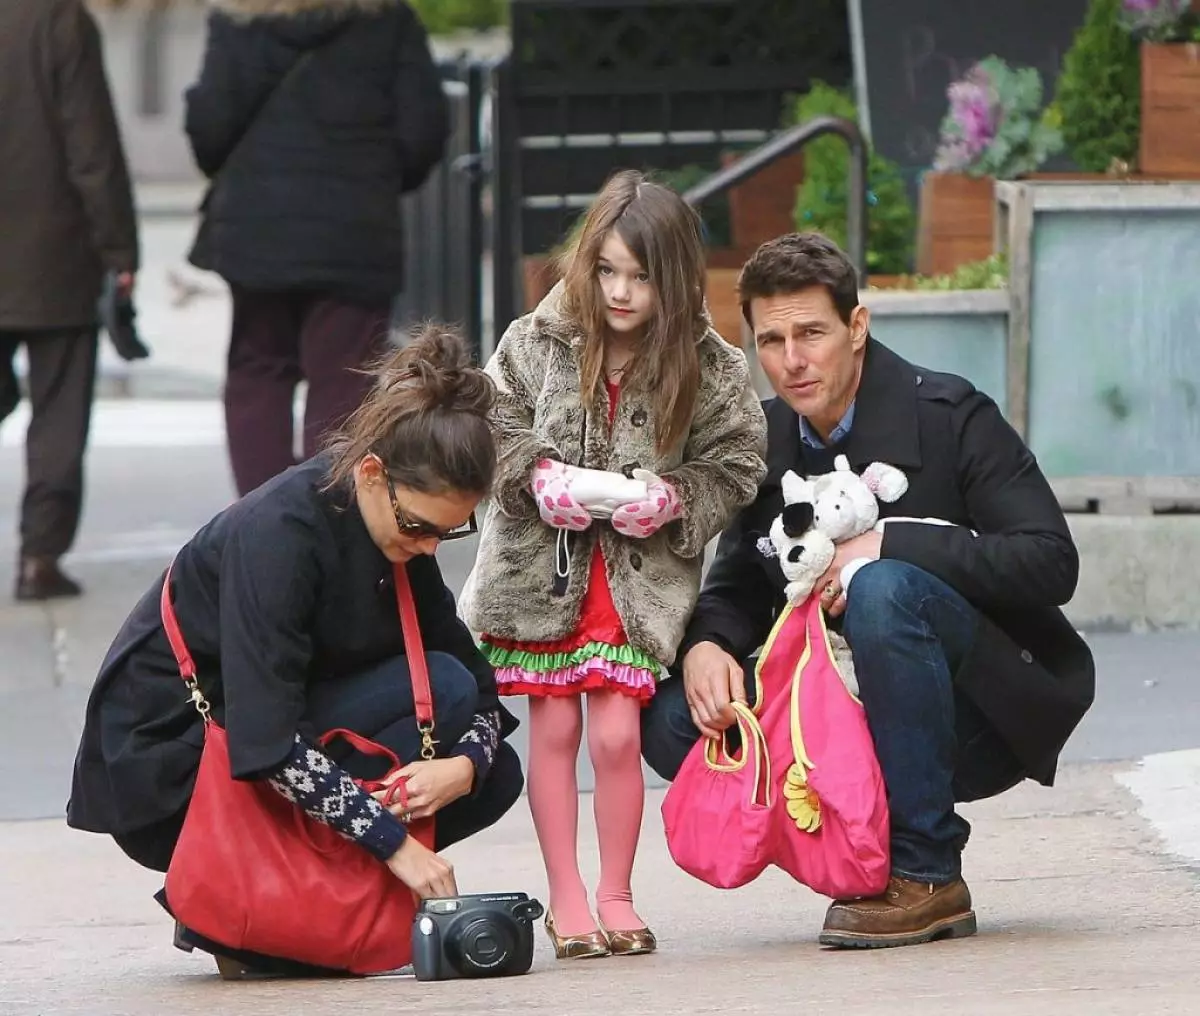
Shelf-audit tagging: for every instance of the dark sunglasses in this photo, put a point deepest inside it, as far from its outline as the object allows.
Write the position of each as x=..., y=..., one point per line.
x=419, y=529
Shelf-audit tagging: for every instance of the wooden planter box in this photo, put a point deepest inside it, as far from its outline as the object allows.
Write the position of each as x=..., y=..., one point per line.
x=1170, y=130
x=956, y=222
x=764, y=207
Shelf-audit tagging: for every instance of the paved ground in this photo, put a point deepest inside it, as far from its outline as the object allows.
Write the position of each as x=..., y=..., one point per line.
x=1080, y=910
x=1089, y=893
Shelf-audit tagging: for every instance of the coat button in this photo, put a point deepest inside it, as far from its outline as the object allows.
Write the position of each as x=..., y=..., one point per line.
x=639, y=418
x=1026, y=656
x=635, y=561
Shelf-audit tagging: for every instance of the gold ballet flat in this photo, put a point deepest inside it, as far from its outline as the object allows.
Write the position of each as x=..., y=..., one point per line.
x=577, y=947
x=631, y=943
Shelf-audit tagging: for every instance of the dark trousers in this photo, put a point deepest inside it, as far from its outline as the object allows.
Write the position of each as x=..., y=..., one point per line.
x=62, y=376
x=378, y=704
x=277, y=341
x=909, y=632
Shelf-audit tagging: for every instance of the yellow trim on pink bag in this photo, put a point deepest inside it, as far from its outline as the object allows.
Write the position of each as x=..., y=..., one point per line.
x=803, y=805
x=765, y=652
x=753, y=739
x=832, y=654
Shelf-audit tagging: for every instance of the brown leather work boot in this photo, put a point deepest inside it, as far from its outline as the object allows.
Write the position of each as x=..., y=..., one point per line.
x=906, y=913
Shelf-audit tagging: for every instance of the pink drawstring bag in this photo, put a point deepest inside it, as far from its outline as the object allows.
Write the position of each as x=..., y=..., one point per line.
x=718, y=812
x=825, y=803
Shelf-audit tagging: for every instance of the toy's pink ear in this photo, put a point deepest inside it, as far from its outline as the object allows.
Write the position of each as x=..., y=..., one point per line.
x=886, y=482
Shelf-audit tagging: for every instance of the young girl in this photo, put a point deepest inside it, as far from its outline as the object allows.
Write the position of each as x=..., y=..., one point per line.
x=617, y=369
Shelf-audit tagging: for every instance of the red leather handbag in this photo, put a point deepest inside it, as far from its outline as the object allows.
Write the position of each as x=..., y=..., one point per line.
x=252, y=872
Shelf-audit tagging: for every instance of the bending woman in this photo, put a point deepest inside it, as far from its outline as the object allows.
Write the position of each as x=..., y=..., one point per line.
x=287, y=602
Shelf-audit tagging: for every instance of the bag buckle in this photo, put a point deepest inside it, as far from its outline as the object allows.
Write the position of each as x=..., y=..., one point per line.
x=198, y=699
x=427, y=741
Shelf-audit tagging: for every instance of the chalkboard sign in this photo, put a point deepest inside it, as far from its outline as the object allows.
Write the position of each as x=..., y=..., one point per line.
x=907, y=52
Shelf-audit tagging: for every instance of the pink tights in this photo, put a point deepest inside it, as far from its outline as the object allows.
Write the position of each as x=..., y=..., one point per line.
x=614, y=743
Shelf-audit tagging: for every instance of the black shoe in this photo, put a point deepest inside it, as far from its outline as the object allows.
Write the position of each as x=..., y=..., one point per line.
x=40, y=578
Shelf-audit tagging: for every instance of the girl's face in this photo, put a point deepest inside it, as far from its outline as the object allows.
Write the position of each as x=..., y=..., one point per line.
x=628, y=295
x=404, y=523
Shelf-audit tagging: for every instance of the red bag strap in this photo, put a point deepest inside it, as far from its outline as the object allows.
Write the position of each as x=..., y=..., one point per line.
x=418, y=666
x=414, y=646
x=183, y=656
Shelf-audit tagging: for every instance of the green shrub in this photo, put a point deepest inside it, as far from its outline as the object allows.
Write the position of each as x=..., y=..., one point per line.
x=990, y=273
x=821, y=198
x=1099, y=91
x=443, y=16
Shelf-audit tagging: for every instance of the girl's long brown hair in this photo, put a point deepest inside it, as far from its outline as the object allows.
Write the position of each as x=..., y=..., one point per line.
x=664, y=234
x=426, y=417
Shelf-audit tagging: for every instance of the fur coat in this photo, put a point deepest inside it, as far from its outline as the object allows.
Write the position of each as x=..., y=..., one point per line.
x=654, y=581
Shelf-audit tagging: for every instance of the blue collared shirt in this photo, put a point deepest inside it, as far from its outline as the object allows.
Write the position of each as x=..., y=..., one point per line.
x=811, y=438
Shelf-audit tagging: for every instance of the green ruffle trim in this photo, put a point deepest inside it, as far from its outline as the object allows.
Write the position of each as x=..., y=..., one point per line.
x=541, y=663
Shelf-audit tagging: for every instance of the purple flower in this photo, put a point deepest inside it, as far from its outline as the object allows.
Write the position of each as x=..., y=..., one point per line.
x=973, y=109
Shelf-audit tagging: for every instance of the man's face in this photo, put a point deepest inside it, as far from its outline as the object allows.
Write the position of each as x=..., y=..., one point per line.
x=812, y=358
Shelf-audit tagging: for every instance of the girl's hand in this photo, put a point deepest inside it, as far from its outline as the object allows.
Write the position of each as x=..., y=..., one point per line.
x=432, y=785
x=640, y=519
x=551, y=490
x=423, y=871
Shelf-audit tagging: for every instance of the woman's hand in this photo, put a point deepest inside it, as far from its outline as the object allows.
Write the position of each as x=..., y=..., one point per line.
x=423, y=871
x=432, y=785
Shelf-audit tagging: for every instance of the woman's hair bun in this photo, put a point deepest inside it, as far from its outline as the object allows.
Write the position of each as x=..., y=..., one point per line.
x=435, y=370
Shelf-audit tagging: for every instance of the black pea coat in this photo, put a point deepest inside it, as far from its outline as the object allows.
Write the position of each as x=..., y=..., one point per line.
x=308, y=170
x=1029, y=671
x=282, y=589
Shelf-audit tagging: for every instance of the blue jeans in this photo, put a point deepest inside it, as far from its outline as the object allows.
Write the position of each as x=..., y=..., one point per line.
x=378, y=704
x=909, y=632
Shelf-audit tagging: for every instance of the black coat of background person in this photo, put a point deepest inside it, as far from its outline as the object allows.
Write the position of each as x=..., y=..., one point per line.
x=309, y=171
x=1029, y=672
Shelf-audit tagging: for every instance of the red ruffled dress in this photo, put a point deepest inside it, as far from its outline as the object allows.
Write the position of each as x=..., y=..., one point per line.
x=596, y=656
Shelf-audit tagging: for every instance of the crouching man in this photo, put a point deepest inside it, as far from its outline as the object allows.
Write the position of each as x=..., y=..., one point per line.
x=971, y=677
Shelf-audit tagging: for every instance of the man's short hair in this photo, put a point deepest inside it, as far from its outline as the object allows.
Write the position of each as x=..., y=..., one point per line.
x=797, y=261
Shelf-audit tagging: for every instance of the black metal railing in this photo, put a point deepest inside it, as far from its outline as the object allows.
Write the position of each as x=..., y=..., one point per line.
x=443, y=220
x=784, y=144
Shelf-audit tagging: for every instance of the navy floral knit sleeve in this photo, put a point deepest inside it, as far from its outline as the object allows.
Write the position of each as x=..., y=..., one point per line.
x=479, y=744
x=326, y=792
x=313, y=782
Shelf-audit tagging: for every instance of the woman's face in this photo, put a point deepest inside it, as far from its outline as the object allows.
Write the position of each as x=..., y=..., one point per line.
x=414, y=522
x=625, y=287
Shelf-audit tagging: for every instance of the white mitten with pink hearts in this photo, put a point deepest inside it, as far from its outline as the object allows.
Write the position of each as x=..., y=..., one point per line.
x=551, y=490
x=646, y=517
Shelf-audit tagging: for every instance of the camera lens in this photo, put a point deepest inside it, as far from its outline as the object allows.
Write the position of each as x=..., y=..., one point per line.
x=481, y=945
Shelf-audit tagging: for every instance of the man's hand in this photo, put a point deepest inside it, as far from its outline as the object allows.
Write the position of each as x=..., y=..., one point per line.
x=833, y=596
x=125, y=283
x=432, y=785
x=711, y=680
x=423, y=871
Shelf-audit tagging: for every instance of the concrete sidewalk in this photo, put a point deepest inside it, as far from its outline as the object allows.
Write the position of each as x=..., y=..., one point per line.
x=1081, y=911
